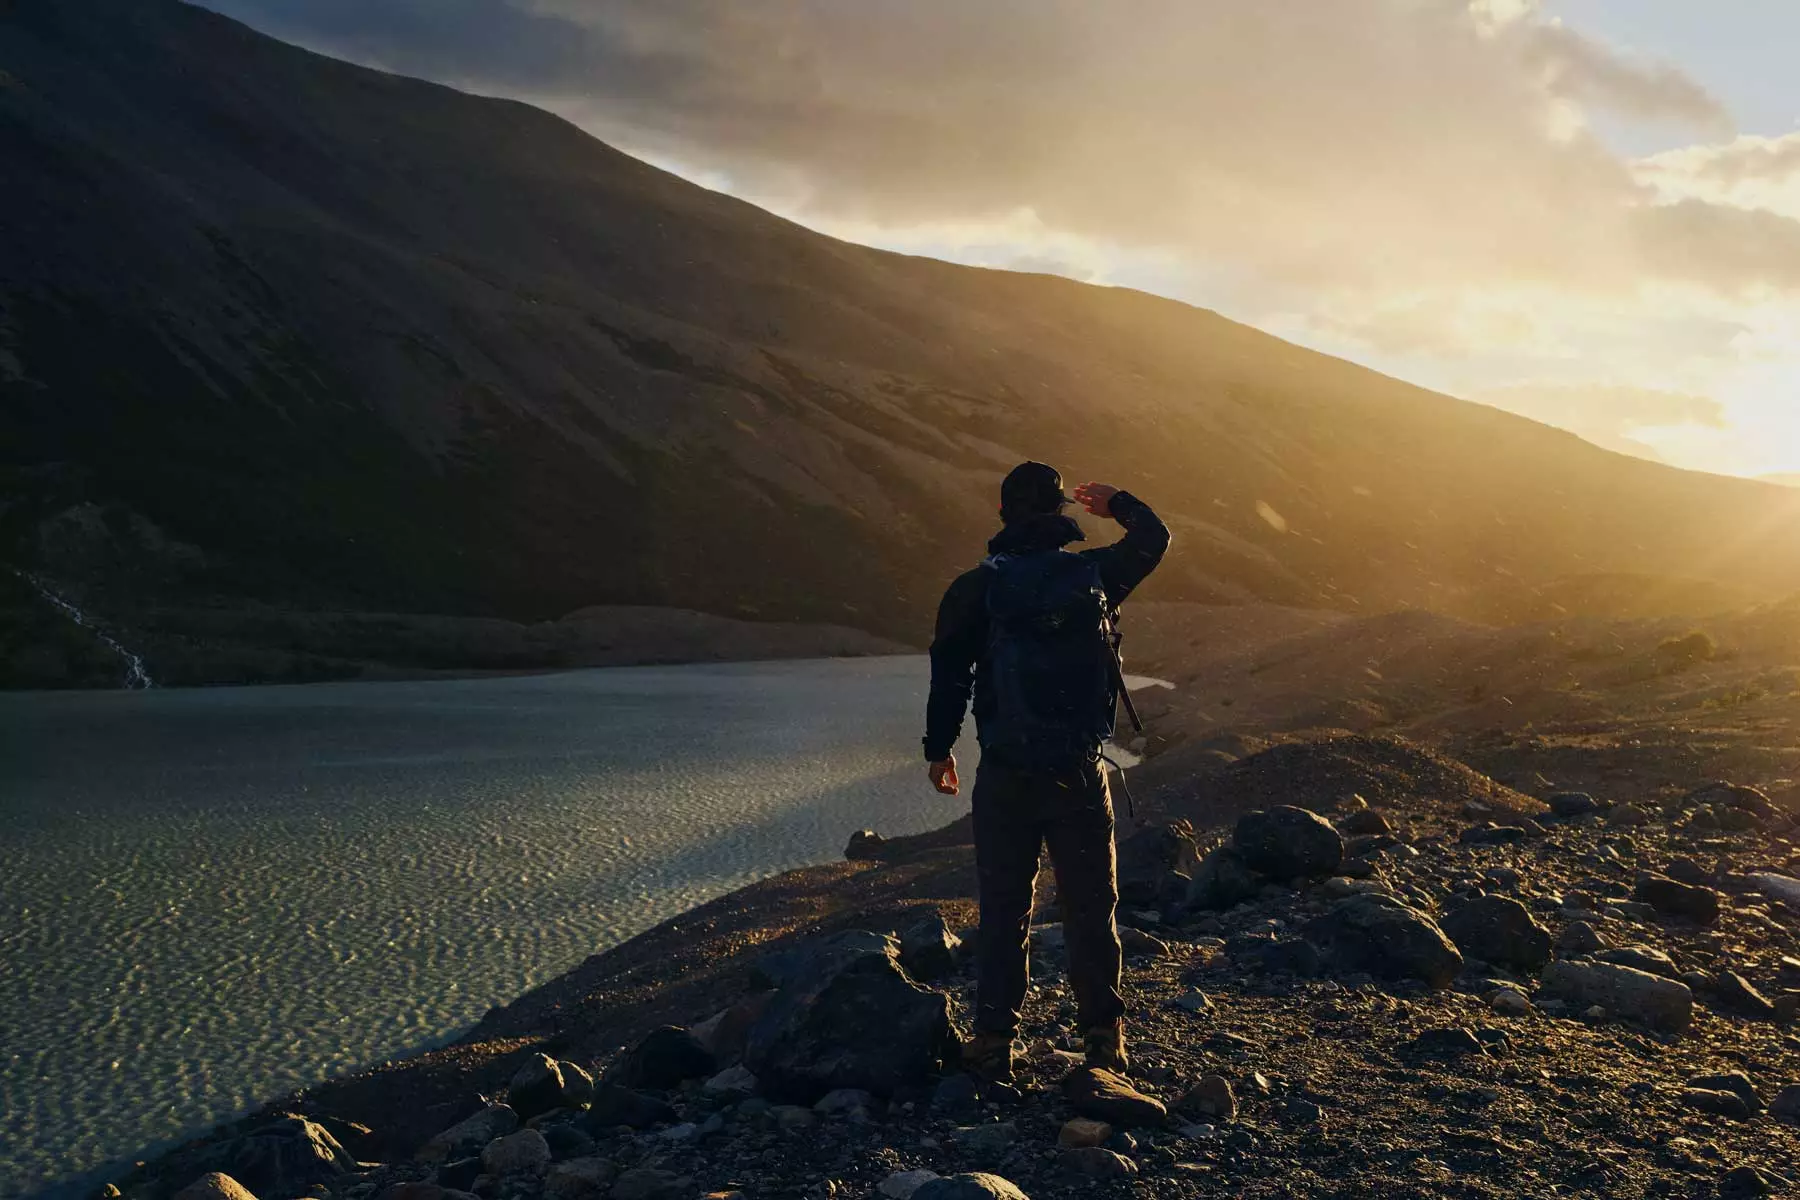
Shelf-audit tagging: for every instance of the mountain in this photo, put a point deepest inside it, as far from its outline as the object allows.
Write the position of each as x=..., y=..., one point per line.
x=274, y=327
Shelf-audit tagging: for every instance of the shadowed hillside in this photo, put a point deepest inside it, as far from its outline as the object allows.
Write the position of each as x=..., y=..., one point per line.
x=308, y=333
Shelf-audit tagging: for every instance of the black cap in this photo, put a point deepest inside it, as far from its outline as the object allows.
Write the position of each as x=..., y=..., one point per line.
x=1032, y=489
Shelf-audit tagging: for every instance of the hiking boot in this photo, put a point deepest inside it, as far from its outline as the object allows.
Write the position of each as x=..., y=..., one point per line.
x=1105, y=1045
x=989, y=1057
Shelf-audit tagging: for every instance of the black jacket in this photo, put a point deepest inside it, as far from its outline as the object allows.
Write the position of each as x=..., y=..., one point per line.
x=962, y=620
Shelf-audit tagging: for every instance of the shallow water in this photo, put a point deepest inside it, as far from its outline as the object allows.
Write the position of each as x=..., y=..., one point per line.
x=210, y=897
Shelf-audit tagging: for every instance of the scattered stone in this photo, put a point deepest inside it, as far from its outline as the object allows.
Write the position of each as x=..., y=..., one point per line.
x=1572, y=804
x=1577, y=939
x=957, y=1097
x=976, y=1185
x=1364, y=822
x=850, y=1103
x=1641, y=958
x=1510, y=1002
x=1106, y=1096
x=524, y=1151
x=1284, y=956
x=1686, y=870
x=1445, y=1043
x=847, y=1015
x=901, y=1185
x=1196, y=1002
x=1736, y=994
x=579, y=1178
x=544, y=1084
x=1098, y=1162
x=1490, y=834
x=460, y=1175
x=1499, y=930
x=1736, y=1082
x=1287, y=842
x=792, y=1118
x=928, y=950
x=1302, y=1112
x=1662, y=1004
x=567, y=1142
x=1731, y=795
x=1138, y=944
x=1745, y=1181
x=285, y=1157
x=1211, y=1097
x=1385, y=938
x=1722, y=1104
x=864, y=846
x=467, y=1138
x=1672, y=898
x=1626, y=816
x=215, y=1185
x=1081, y=1132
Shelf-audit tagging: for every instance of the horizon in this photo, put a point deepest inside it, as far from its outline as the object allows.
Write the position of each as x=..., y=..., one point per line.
x=1623, y=260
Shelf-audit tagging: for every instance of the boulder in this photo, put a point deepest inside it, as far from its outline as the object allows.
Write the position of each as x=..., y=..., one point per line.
x=1147, y=857
x=1672, y=898
x=524, y=1152
x=1731, y=795
x=1719, y=1104
x=985, y=1143
x=852, y=1104
x=1746, y=1182
x=736, y=1081
x=903, y=1185
x=1285, y=842
x=1735, y=1082
x=282, y=1158
x=650, y=1183
x=1107, y=1096
x=566, y=1142
x=976, y=1185
x=1627, y=816
x=1381, y=936
x=664, y=1059
x=865, y=845
x=467, y=1137
x=1223, y=879
x=1499, y=930
x=215, y=1185
x=1662, y=1004
x=1275, y=956
x=846, y=1015
x=543, y=1084
x=928, y=950
x=1786, y=1105
x=1083, y=1132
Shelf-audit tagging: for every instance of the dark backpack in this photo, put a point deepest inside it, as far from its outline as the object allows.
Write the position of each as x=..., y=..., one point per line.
x=1050, y=671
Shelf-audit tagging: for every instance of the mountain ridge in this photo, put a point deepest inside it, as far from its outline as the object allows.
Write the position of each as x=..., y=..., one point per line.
x=369, y=342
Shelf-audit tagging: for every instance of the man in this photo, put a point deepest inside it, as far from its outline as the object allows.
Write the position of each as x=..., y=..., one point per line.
x=1029, y=633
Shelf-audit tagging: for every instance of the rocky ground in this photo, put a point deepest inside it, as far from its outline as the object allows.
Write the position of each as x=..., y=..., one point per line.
x=1421, y=983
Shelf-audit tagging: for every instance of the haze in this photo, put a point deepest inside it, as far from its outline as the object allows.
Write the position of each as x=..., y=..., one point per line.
x=1585, y=211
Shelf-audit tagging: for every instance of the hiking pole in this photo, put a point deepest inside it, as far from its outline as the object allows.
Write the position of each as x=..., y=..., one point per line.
x=1124, y=693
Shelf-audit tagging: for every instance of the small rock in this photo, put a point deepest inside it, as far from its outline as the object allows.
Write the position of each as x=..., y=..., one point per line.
x=864, y=845
x=215, y=1185
x=1196, y=1002
x=902, y=1184
x=929, y=950
x=1673, y=898
x=1081, y=1132
x=1106, y=1096
x=1364, y=823
x=1098, y=1162
x=957, y=1097
x=1490, y=834
x=1577, y=939
x=850, y=1103
x=1572, y=804
x=1662, y=1004
x=1498, y=929
x=687, y=1131
x=1385, y=938
x=792, y=1118
x=1641, y=958
x=1138, y=944
x=1285, y=842
x=615, y=1105
x=1446, y=1043
x=524, y=1151
x=1302, y=1112
x=1786, y=1104
x=1222, y=880
x=1626, y=816
x=1736, y=1082
x=1736, y=993
x=1745, y=1181
x=1212, y=1096
x=1723, y=1104
x=977, y=1185
x=1510, y=1002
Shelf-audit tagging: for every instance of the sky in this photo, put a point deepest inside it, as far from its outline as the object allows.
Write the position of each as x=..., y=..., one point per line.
x=1584, y=211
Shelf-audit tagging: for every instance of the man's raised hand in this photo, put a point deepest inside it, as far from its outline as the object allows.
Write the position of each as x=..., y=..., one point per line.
x=943, y=776
x=1096, y=498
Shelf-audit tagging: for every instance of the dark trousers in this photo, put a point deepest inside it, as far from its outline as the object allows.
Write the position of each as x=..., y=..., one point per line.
x=1016, y=813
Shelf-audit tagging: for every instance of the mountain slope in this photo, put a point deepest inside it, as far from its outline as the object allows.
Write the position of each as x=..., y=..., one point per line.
x=352, y=339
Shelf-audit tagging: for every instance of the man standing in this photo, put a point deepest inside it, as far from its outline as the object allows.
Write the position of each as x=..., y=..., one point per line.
x=1029, y=633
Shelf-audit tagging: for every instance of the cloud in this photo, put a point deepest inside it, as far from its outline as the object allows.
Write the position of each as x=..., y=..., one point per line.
x=1609, y=416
